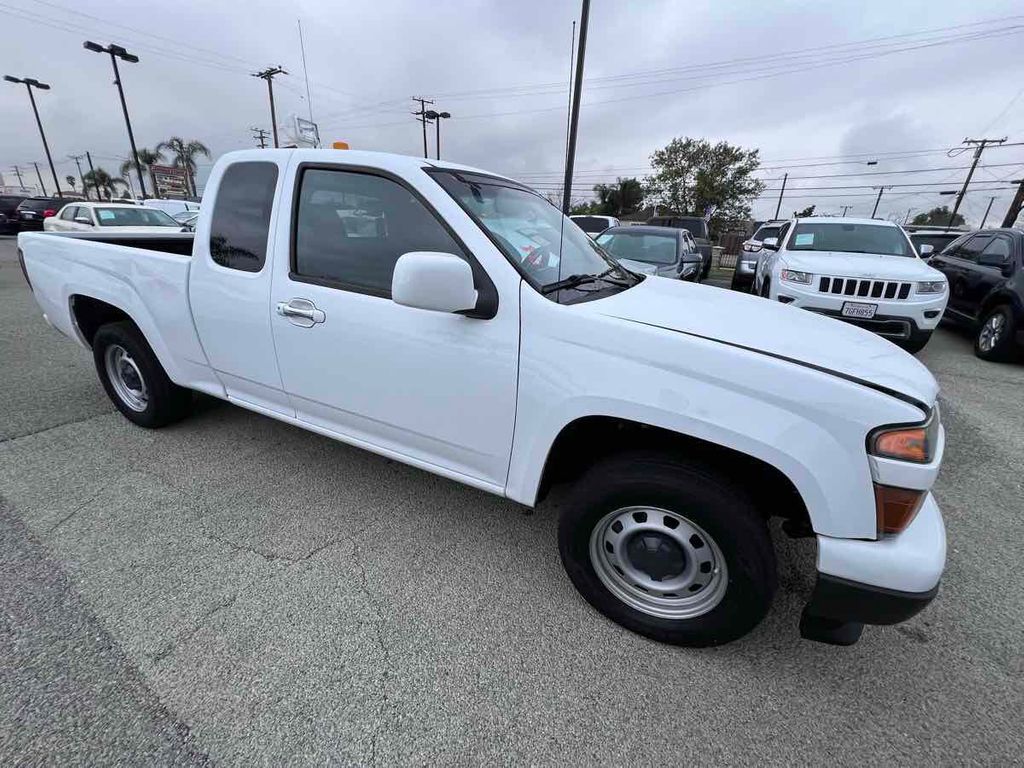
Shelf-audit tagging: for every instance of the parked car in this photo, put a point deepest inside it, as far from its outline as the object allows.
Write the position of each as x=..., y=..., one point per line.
x=32, y=211
x=697, y=227
x=861, y=271
x=170, y=207
x=653, y=251
x=986, y=289
x=187, y=219
x=930, y=241
x=475, y=333
x=750, y=252
x=594, y=225
x=8, y=218
x=125, y=218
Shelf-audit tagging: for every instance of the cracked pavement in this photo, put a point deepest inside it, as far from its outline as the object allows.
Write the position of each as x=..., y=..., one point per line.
x=235, y=590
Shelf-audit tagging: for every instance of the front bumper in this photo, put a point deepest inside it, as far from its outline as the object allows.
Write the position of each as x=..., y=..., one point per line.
x=875, y=582
x=894, y=318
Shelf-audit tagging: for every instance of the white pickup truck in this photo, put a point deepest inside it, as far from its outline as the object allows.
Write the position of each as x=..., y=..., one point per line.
x=454, y=320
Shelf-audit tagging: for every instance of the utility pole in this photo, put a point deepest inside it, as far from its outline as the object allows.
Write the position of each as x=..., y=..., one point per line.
x=40, y=177
x=1018, y=202
x=845, y=209
x=878, y=200
x=574, y=115
x=260, y=135
x=118, y=52
x=907, y=217
x=268, y=75
x=95, y=181
x=981, y=144
x=81, y=178
x=29, y=84
x=421, y=116
x=781, y=193
x=985, y=217
x=17, y=172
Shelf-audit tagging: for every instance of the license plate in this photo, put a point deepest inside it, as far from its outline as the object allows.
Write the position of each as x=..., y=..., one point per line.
x=858, y=309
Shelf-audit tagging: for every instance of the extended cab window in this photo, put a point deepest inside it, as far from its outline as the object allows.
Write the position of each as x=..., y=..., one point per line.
x=352, y=227
x=241, y=216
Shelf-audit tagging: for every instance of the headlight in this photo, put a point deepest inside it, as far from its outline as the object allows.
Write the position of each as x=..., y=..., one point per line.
x=913, y=442
x=792, y=276
x=931, y=286
x=752, y=247
x=688, y=269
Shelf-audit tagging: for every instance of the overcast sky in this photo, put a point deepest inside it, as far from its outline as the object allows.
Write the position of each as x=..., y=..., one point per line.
x=807, y=83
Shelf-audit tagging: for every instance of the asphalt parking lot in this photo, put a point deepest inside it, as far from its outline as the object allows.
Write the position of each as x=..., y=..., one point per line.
x=236, y=590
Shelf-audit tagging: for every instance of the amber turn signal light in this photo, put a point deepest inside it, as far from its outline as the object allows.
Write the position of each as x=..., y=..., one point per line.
x=896, y=507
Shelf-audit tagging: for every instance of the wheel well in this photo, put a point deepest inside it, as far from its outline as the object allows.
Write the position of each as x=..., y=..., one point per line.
x=90, y=314
x=589, y=439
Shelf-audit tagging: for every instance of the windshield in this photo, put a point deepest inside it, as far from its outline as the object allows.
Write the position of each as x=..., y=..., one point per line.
x=134, y=217
x=650, y=249
x=527, y=228
x=850, y=238
x=938, y=242
x=765, y=232
x=696, y=227
x=591, y=224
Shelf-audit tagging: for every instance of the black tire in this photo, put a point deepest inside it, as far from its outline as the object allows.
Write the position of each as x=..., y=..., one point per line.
x=766, y=289
x=166, y=402
x=701, y=495
x=917, y=341
x=1004, y=349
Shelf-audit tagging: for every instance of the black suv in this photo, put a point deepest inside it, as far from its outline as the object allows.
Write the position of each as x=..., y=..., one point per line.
x=986, y=288
x=8, y=221
x=32, y=210
x=697, y=227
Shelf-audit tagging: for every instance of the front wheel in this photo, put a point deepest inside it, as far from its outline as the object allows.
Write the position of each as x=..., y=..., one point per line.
x=133, y=378
x=917, y=341
x=669, y=549
x=766, y=289
x=995, y=338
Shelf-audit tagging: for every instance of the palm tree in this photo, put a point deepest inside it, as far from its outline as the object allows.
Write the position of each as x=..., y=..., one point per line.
x=147, y=157
x=106, y=183
x=185, y=154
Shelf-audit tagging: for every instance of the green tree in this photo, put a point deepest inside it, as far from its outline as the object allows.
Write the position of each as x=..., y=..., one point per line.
x=939, y=217
x=184, y=154
x=585, y=208
x=623, y=197
x=107, y=184
x=808, y=211
x=147, y=157
x=71, y=181
x=692, y=175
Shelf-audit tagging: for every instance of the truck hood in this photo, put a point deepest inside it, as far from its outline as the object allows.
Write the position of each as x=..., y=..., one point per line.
x=770, y=328
x=867, y=265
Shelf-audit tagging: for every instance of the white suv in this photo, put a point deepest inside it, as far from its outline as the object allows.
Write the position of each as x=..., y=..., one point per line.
x=863, y=271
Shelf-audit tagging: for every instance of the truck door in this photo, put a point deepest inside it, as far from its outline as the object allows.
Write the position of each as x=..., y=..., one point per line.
x=434, y=388
x=230, y=278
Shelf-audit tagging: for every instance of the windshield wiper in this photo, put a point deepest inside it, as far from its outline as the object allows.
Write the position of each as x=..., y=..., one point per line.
x=574, y=280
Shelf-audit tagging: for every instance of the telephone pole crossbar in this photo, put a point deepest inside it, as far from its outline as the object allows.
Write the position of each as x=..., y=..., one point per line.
x=421, y=116
x=260, y=135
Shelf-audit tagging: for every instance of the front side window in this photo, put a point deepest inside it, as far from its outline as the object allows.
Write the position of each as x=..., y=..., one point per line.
x=765, y=232
x=998, y=250
x=973, y=247
x=850, y=238
x=134, y=217
x=650, y=249
x=68, y=214
x=544, y=245
x=241, y=216
x=351, y=229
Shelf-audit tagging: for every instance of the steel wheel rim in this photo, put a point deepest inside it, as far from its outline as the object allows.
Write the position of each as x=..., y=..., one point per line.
x=126, y=378
x=694, y=590
x=991, y=331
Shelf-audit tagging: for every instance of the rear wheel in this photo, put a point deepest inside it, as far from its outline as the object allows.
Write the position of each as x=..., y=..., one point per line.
x=995, y=337
x=766, y=289
x=669, y=549
x=133, y=378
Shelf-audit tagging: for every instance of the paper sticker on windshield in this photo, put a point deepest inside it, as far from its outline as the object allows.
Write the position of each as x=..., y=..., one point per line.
x=804, y=238
x=106, y=215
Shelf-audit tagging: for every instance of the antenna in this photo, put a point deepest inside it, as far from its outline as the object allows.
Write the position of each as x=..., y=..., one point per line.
x=305, y=75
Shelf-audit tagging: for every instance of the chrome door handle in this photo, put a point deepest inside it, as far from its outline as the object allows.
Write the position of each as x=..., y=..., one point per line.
x=301, y=312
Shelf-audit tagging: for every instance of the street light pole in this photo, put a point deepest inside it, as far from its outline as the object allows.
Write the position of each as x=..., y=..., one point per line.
x=985, y=217
x=117, y=52
x=782, y=191
x=574, y=113
x=437, y=117
x=29, y=84
x=877, y=201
